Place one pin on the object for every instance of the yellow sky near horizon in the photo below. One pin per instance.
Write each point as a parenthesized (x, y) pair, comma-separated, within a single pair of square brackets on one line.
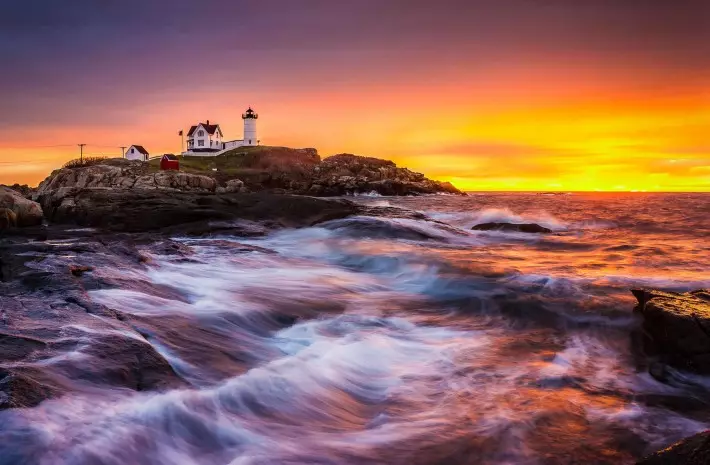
[(551, 137)]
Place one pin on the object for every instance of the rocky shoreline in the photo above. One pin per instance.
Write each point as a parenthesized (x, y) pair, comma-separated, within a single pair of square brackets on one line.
[(121, 214)]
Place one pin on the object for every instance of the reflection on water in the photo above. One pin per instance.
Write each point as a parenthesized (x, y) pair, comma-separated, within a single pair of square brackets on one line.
[(398, 341)]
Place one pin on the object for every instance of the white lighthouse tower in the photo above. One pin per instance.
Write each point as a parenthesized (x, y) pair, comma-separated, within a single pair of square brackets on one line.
[(250, 118)]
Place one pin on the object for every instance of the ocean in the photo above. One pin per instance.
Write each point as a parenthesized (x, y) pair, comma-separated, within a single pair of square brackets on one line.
[(402, 338)]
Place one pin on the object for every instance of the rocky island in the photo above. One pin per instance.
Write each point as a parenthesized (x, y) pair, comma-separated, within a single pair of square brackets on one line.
[(273, 184)]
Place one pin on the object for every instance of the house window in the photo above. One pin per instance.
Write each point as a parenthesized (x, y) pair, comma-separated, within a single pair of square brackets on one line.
[(201, 143), (201, 133), (133, 150)]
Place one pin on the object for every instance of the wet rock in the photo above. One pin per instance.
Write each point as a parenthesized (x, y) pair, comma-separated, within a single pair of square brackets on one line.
[(8, 219), (531, 228), (25, 388), (694, 450), (127, 362), (27, 212), (15, 347), (677, 327), (78, 270), (134, 210)]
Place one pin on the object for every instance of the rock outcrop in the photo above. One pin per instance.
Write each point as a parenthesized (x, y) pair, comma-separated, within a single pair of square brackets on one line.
[(23, 189), (295, 171), (677, 327), (26, 212), (44, 307), (347, 174), (694, 450), (531, 228), (125, 174), (8, 219), (134, 210)]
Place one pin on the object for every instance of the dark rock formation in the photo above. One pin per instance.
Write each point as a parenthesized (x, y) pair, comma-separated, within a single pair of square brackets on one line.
[(512, 227), (27, 212), (694, 450), (296, 171), (346, 174), (134, 210), (48, 322), (677, 327)]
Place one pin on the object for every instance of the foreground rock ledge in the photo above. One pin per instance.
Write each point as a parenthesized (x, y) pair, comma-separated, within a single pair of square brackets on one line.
[(136, 210), (694, 450), (677, 327)]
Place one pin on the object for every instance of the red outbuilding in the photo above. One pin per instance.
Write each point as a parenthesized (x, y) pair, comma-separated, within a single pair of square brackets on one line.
[(169, 162)]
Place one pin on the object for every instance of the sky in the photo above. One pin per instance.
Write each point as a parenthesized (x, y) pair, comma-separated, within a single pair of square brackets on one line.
[(488, 94)]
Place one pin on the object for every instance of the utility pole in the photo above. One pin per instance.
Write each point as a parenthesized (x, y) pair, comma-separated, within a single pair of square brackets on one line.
[(123, 152), (81, 153)]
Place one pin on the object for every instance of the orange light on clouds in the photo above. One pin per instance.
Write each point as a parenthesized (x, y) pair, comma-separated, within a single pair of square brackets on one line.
[(481, 131)]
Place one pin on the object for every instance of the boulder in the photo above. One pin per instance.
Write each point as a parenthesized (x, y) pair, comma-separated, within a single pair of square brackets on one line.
[(234, 185), (531, 228), (677, 327), (694, 450), (27, 212), (8, 219)]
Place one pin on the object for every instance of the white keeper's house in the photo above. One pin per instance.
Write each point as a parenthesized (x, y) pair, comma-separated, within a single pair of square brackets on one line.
[(137, 152), (207, 140)]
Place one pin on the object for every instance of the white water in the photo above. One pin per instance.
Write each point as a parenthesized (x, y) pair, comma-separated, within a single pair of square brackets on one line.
[(371, 341)]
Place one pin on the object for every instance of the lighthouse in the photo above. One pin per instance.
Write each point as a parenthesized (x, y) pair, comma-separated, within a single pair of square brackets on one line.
[(250, 118)]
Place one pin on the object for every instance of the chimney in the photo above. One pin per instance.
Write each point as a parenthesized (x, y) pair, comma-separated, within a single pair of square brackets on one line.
[(208, 122)]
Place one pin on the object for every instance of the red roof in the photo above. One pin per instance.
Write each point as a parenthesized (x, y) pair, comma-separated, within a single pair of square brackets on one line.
[(210, 128)]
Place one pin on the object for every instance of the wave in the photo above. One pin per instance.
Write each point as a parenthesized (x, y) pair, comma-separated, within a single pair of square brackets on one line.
[(394, 228), (505, 215), (498, 215), (367, 194)]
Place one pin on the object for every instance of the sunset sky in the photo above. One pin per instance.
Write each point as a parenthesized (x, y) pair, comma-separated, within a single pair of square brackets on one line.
[(489, 94)]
